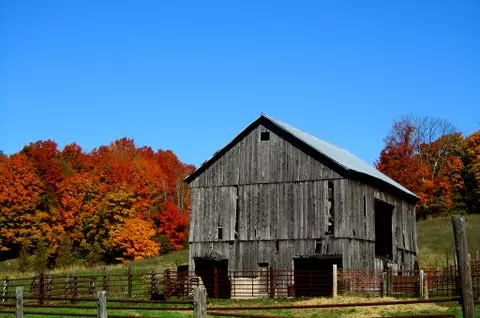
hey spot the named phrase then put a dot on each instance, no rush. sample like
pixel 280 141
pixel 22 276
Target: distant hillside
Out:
pixel 435 240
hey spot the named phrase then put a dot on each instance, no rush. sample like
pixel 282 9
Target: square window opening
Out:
pixel 265 136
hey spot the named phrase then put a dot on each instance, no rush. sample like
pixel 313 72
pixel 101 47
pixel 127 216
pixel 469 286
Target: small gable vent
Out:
pixel 265 136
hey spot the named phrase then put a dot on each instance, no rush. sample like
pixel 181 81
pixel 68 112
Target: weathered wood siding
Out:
pixel 358 221
pixel 253 161
pixel 279 196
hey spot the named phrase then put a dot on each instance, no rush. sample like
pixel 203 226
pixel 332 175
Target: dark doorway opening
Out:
pixel 214 274
pixel 314 275
pixel 383 229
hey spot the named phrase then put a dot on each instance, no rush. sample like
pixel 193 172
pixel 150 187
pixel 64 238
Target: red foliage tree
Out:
pixel 173 225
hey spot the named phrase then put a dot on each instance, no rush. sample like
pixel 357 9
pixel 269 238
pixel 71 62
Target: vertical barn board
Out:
pixel 251 160
pixel 243 213
pixel 341 223
pixel 271 207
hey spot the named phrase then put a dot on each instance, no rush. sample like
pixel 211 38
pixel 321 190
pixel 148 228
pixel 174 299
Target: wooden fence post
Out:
pixel 67 290
pixel 102 304
pixel 5 290
pixel 271 283
pixel 389 281
pixel 461 246
pixel 420 284
pixel 41 287
pixel 75 288
pixel 130 280
pixel 153 285
pixel 199 302
pixel 383 286
pixel 91 287
pixel 105 278
pixel 49 285
pixel 425 286
pixel 19 299
pixel 334 283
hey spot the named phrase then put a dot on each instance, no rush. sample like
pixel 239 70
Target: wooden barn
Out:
pixel 276 197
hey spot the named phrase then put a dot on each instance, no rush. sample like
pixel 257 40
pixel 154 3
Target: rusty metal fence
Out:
pixel 73 287
pixel 241 284
pixel 291 283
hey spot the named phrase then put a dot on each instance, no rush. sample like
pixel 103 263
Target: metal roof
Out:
pixel 341 156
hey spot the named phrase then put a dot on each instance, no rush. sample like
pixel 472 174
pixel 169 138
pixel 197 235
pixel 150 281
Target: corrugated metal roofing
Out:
pixel 341 156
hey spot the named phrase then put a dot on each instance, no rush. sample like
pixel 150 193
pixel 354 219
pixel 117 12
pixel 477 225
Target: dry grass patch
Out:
pixel 373 311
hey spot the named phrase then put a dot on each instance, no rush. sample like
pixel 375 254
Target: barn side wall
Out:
pixel 358 222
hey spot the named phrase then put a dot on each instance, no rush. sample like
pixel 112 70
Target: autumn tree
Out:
pixel 20 198
pixel 399 159
pixel 425 155
pixel 173 225
pixel 472 172
pixel 135 240
pixel 92 197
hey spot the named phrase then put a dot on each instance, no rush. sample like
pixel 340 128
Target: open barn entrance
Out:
pixel 214 274
pixel 383 230
pixel 314 275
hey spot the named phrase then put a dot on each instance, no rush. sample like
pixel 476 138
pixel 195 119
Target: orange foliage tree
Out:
pixel 472 171
pixel 98 198
pixel 135 240
pixel 427 157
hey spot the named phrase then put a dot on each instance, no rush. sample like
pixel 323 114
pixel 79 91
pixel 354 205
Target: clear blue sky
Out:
pixel 188 76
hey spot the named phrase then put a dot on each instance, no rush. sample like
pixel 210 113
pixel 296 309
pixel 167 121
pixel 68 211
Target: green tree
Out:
pixel 95 256
pixel 64 253
pixel 41 256
pixel 23 262
pixel 165 245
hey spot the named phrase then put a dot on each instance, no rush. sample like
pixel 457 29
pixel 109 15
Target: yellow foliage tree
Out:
pixel 135 240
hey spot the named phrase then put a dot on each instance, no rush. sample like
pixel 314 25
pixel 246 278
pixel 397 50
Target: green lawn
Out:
pixel 435 240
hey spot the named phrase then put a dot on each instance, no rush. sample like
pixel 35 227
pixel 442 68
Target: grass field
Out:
pixel 9 267
pixel 435 240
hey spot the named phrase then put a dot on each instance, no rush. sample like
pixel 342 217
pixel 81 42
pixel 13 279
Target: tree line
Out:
pixel 121 202
pixel 116 203
pixel 435 161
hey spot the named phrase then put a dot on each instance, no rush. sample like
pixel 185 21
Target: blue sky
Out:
pixel 188 76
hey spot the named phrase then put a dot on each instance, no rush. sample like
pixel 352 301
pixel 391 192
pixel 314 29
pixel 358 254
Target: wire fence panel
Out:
pixel 365 282
pixel 265 282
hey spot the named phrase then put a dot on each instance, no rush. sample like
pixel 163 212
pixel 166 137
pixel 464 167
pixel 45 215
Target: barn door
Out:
pixel 314 276
pixel 214 274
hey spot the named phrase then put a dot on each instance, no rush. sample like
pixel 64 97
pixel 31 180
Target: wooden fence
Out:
pixel 23 305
